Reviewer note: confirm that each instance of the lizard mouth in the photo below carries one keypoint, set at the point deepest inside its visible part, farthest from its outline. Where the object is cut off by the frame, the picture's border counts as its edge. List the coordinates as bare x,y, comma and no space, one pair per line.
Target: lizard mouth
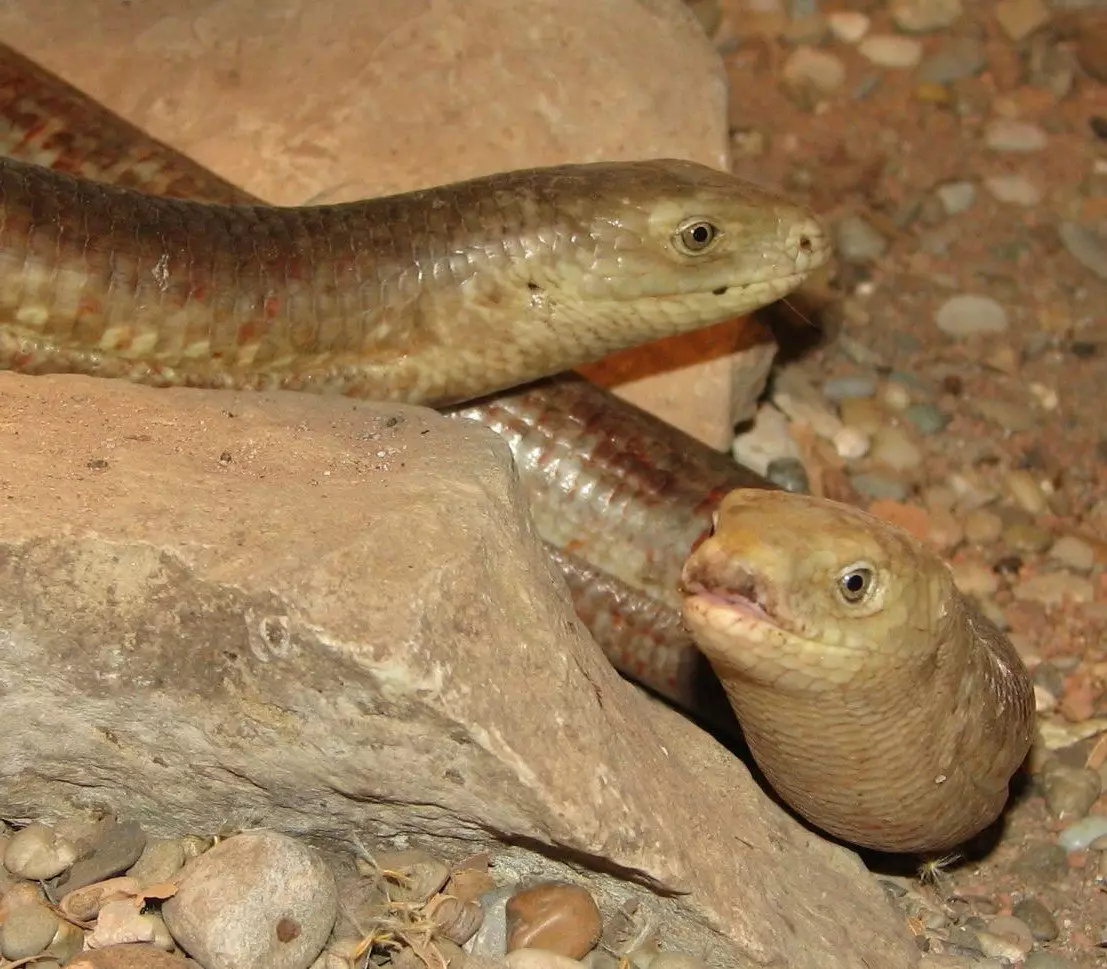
741,593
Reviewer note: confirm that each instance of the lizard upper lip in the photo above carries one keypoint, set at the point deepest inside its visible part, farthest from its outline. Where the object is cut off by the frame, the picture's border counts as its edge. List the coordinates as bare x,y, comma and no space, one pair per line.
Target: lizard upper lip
741,592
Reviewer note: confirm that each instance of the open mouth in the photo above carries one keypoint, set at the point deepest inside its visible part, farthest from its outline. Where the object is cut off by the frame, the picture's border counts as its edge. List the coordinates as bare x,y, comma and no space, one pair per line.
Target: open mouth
741,594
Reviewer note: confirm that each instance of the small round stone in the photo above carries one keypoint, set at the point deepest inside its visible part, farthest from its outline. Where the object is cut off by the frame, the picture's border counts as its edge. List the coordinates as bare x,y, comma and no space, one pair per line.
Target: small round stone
983,526
891,50
967,315
1008,135
893,448
1013,189
556,916
1078,836
27,931
851,443
855,385
1038,918
847,25
926,418
789,474
872,484
37,853
1073,552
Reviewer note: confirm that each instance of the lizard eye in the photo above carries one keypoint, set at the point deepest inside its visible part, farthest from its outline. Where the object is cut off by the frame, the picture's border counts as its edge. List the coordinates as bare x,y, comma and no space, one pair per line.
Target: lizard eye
855,582
695,236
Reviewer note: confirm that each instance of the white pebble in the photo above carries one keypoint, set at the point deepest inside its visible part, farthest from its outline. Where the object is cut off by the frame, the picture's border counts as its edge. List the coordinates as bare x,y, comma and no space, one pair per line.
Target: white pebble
895,395
1055,589
967,314
890,50
1046,396
848,26
851,443
766,441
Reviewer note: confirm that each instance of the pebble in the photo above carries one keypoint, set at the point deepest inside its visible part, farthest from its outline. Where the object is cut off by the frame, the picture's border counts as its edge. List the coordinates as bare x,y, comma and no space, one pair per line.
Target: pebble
118,847
259,900
668,960
1085,246
1024,489
789,474
926,418
1038,918
83,904
851,443
123,923
893,448
1007,134
890,50
956,197
872,484
818,69
160,861
924,16
766,441
862,414
1055,589
539,959
1070,791
413,875
1048,960
37,853
1009,414
983,526
895,394
557,916
848,26
1041,860
1013,190
966,315
1018,19
839,389
27,931
129,957
857,242
975,578
955,59
1073,552
999,947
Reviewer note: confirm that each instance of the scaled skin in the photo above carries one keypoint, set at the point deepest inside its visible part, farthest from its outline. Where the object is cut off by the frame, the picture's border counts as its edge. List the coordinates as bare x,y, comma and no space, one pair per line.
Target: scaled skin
880,704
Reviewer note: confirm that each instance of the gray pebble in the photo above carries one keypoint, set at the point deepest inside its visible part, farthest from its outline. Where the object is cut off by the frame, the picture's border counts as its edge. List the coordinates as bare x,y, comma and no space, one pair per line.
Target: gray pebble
957,58
28,929
1047,960
1042,860
37,852
966,314
855,385
789,474
1085,246
891,50
857,242
956,196
1078,836
872,484
119,847
490,940
926,418
1038,919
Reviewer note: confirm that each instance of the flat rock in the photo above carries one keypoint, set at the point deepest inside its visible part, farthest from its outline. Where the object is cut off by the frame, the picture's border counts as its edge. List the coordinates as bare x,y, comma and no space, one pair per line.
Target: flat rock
330,102
320,616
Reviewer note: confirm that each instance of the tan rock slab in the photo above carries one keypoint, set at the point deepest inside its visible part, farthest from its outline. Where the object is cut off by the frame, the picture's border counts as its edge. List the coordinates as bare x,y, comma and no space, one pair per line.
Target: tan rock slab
316,615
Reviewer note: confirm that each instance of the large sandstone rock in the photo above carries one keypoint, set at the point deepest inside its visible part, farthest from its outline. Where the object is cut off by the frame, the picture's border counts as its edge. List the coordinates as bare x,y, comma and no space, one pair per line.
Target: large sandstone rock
301,102
334,618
